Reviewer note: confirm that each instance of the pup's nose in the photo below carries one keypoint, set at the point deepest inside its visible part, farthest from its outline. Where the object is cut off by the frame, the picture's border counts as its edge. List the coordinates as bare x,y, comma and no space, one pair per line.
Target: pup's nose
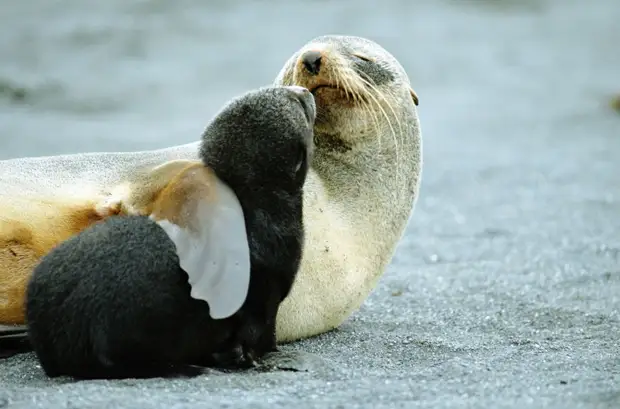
301,91
312,61
306,99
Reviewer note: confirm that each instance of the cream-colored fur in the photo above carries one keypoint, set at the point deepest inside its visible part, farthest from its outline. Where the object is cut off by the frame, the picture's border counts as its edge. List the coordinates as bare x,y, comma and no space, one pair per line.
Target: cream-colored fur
357,200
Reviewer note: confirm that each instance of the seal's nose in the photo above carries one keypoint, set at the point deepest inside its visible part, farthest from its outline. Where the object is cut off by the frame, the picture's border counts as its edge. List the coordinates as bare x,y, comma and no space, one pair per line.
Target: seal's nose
312,61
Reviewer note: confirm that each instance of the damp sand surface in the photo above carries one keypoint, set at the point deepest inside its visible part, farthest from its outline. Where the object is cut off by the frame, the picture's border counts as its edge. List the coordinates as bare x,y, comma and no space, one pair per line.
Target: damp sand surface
505,289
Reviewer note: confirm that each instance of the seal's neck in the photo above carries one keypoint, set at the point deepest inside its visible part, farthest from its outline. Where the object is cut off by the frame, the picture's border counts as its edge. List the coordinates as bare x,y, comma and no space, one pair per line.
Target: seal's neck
376,185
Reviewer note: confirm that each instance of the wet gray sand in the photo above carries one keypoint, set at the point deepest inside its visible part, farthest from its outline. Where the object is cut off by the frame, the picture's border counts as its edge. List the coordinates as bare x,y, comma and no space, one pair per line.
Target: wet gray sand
505,290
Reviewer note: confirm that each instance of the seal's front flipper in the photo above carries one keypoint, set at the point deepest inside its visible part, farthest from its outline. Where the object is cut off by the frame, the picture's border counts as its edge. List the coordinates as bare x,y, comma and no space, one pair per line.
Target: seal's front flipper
204,219
13,340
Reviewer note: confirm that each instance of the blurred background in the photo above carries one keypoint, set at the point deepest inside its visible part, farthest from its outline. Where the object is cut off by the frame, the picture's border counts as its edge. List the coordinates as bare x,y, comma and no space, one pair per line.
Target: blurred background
515,95
81,75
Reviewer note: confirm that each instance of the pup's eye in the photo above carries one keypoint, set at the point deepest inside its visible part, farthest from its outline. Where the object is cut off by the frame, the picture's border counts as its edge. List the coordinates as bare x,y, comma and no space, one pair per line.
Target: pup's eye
302,103
363,57
302,157
304,106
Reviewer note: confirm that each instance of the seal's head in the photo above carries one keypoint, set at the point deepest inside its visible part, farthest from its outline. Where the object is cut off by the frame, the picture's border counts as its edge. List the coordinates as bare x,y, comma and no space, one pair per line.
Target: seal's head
262,140
361,91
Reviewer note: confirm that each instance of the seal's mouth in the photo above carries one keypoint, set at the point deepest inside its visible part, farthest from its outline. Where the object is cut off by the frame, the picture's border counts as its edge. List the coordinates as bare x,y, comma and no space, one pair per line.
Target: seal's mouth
314,89
343,91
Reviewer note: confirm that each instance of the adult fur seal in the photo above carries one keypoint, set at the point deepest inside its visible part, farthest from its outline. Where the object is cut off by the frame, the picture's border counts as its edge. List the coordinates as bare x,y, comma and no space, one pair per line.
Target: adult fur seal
126,297
361,188
364,179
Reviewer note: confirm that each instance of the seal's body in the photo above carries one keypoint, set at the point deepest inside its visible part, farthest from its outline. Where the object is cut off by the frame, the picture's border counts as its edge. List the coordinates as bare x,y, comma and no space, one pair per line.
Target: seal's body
361,188
126,297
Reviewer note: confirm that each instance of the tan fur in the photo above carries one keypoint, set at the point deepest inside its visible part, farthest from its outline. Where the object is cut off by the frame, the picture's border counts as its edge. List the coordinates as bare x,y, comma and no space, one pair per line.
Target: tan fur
357,201
169,191
28,230
29,227
139,193
178,201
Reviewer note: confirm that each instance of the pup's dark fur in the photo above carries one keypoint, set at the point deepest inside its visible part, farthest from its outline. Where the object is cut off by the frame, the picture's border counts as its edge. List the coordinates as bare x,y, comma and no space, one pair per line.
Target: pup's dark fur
112,301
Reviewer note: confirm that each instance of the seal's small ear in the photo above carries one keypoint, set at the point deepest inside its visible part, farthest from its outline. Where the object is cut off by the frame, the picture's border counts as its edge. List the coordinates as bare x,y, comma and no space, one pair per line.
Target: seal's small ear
204,219
414,96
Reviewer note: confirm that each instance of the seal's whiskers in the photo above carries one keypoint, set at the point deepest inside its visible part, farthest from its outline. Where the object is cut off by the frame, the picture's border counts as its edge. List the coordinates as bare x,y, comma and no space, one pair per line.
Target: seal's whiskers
387,119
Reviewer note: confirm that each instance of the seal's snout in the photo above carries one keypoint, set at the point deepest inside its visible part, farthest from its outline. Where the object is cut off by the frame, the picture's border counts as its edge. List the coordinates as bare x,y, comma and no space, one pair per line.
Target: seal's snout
312,61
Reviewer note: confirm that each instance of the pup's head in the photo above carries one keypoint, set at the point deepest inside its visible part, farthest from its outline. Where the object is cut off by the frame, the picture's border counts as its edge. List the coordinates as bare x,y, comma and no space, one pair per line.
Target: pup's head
257,149
262,140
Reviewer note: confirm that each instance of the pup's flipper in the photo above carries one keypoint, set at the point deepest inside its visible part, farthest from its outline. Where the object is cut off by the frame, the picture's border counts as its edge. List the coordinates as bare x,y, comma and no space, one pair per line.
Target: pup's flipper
204,219
13,340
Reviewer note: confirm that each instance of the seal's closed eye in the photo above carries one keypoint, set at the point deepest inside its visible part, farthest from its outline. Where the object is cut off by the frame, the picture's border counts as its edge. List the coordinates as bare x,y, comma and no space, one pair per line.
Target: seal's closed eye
301,159
362,57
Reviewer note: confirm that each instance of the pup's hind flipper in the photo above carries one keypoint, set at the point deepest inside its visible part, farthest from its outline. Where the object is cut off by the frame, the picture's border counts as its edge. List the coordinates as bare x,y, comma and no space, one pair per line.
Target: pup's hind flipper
204,219
13,340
